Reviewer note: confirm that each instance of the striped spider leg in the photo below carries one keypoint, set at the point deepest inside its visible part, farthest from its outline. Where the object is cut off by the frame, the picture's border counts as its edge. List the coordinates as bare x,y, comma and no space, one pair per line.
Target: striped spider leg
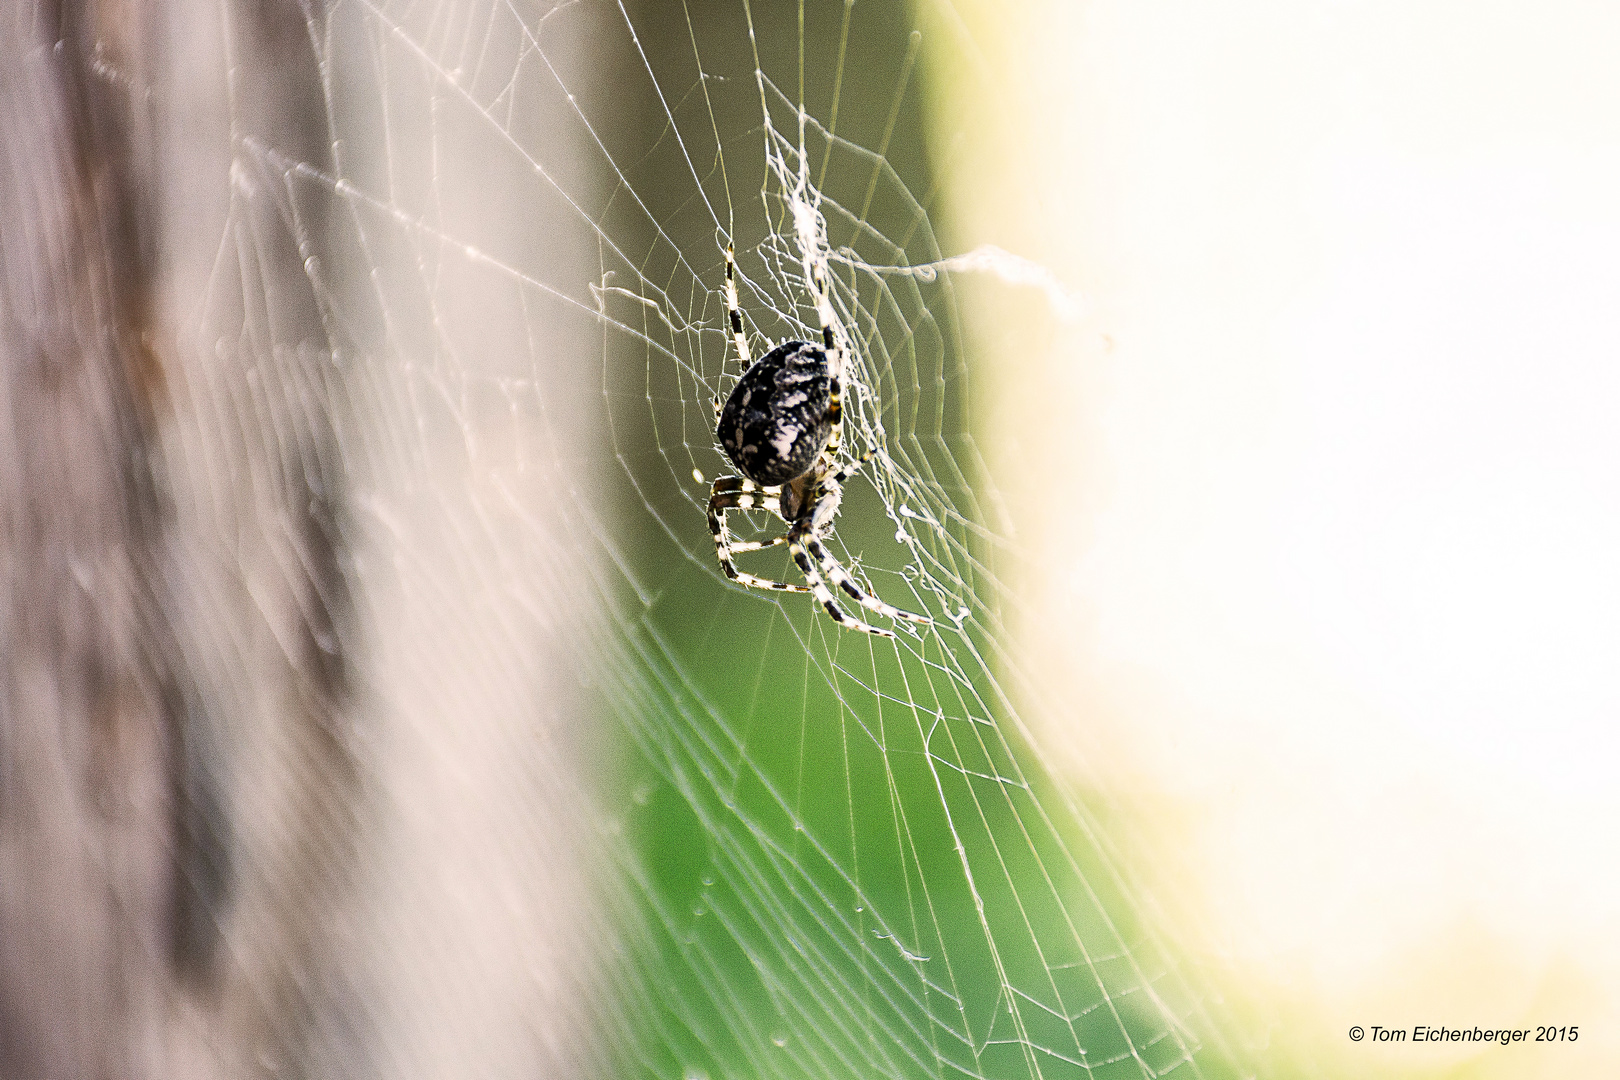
738,493
816,509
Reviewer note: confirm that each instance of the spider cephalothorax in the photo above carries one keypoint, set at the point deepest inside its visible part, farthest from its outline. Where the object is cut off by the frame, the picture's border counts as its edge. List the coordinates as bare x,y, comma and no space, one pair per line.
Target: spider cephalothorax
781,428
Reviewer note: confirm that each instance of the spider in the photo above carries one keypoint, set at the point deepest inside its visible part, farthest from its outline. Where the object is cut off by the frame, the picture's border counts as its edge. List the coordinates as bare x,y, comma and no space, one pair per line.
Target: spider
781,428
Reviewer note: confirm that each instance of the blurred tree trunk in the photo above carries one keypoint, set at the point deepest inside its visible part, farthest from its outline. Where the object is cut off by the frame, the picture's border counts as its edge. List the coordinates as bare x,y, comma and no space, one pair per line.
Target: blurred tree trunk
89,713
116,803
290,700
287,788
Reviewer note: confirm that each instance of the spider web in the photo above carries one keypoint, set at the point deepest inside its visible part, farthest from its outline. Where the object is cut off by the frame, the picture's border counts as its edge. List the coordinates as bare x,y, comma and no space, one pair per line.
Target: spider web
833,855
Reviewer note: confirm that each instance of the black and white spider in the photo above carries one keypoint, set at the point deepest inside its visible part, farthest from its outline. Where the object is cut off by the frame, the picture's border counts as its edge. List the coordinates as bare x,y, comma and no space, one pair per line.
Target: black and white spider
781,427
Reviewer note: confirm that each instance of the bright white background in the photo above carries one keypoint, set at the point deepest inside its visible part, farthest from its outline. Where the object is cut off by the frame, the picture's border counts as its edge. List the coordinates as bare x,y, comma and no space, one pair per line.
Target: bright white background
1334,543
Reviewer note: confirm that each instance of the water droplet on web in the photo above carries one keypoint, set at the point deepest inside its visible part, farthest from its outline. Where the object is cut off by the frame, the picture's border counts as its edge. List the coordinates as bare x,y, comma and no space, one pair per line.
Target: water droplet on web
779,1038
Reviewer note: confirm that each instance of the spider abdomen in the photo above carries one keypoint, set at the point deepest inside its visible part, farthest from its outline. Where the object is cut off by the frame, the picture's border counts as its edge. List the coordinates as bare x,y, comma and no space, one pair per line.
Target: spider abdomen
778,419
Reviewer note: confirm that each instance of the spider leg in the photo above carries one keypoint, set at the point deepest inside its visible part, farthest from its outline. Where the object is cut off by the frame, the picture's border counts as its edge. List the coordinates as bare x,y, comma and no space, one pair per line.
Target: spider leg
835,411
835,352
849,470
817,266
757,545
748,496
735,493
833,569
823,594
734,309
803,542
742,484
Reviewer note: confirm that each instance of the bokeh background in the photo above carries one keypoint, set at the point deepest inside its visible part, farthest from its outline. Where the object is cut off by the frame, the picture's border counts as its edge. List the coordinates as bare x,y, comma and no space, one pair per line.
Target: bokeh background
1239,381
1333,575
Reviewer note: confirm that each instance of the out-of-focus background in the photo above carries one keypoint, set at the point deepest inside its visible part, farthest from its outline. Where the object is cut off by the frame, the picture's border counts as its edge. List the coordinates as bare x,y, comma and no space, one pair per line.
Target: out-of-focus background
1237,384
1333,572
